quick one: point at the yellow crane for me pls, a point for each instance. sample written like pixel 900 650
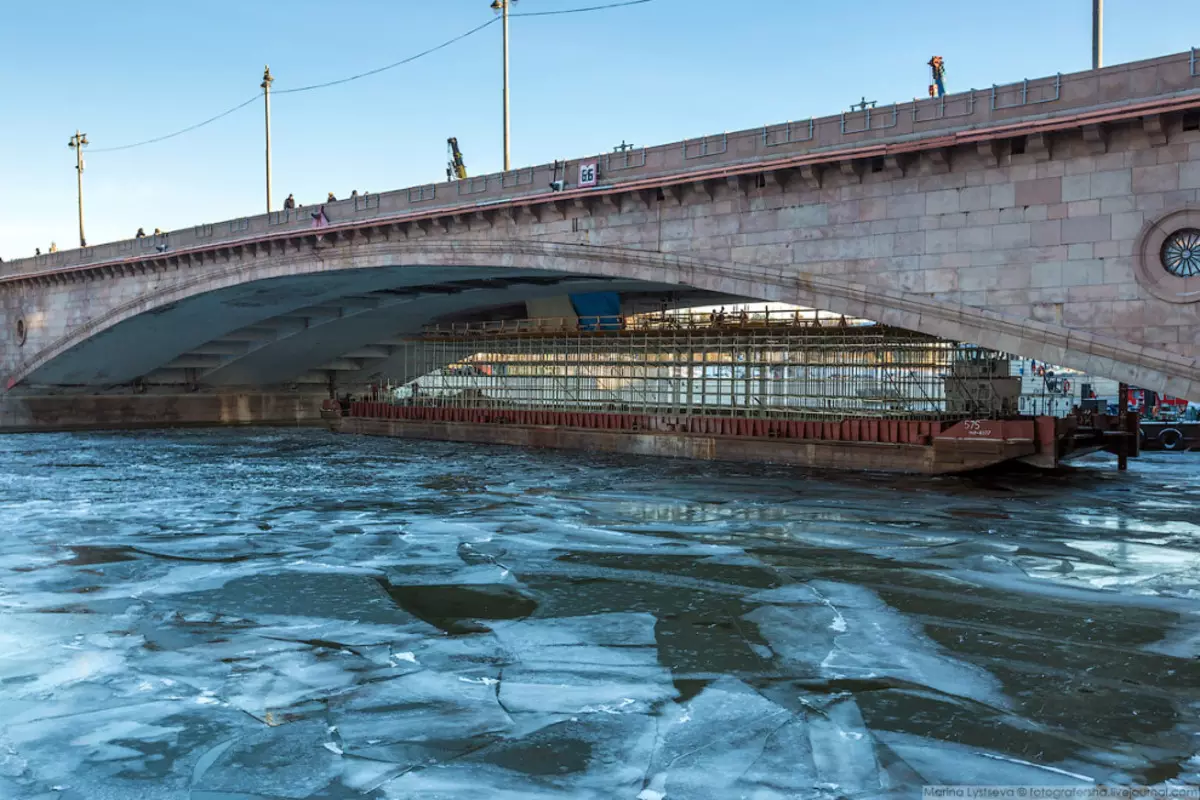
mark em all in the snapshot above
pixel 455 168
pixel 938 67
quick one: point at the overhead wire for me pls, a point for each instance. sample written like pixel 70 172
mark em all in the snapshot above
pixel 393 65
pixel 577 10
pixel 188 129
pixel 368 73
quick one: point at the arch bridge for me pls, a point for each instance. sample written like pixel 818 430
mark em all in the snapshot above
pixel 1054 218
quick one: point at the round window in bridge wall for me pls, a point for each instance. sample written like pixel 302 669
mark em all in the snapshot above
pixel 1166 255
pixel 1181 253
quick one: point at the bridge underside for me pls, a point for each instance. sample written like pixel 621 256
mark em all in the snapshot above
pixel 342 328
pixel 264 351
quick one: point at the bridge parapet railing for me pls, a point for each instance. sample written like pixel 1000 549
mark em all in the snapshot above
pixel 1026 99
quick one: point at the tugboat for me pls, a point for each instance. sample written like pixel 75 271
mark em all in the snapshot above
pixel 1166 425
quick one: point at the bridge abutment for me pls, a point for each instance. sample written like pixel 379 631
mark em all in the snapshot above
pixel 69 412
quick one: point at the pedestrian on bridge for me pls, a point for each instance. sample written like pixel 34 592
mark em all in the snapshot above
pixel 289 204
pixel 331 198
pixel 141 234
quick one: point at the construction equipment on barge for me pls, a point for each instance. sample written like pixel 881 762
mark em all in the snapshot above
pixel 777 386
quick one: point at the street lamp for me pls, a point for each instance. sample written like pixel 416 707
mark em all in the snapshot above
pixel 266 87
pixel 77 143
pixel 501 7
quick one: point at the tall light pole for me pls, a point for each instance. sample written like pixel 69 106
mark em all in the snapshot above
pixel 78 142
pixel 501 6
pixel 266 87
pixel 1097 34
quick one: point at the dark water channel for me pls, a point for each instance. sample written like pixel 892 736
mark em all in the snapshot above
pixel 223 615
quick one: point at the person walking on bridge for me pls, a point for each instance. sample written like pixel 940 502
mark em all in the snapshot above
pixel 141 234
pixel 331 198
pixel 290 203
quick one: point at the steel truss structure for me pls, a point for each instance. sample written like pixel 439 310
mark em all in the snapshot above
pixel 769 364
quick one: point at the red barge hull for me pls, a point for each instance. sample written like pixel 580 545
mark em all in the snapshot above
pixel 854 443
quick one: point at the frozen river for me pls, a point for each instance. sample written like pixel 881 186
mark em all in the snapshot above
pixel 228 615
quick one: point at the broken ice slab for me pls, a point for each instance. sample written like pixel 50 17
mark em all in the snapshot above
pixel 837 630
pixel 420 706
pixel 252 764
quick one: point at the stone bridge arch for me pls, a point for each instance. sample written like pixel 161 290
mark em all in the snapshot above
pixel 166 294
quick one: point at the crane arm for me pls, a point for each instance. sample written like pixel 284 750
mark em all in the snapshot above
pixel 456 169
pixel 938 67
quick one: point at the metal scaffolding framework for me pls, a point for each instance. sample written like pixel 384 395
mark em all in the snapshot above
pixel 769 364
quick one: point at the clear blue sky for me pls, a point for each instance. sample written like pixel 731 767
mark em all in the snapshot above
pixel 654 73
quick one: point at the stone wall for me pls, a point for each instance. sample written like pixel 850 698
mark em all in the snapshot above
pixel 1050 237
pixel 97 412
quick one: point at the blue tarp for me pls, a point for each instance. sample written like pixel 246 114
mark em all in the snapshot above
pixel 598 310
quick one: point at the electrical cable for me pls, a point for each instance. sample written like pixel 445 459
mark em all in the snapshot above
pixel 368 73
pixel 402 62
pixel 577 10
pixel 456 39
pixel 179 132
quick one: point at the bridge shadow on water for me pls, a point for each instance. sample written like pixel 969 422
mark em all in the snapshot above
pixel 286 613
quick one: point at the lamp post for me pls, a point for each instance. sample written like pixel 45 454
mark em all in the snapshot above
pixel 77 143
pixel 266 87
pixel 1097 34
pixel 501 7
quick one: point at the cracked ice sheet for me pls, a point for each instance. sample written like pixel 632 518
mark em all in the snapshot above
pixel 729 741
pixel 172 581
pixel 94 752
pixel 940 762
pixel 374 641
pixel 525 637
pixel 288 679
pixel 569 665
pixel 591 756
pixel 271 674
pixel 839 630
pixel 250 765
pixel 409 717
pixel 26 640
